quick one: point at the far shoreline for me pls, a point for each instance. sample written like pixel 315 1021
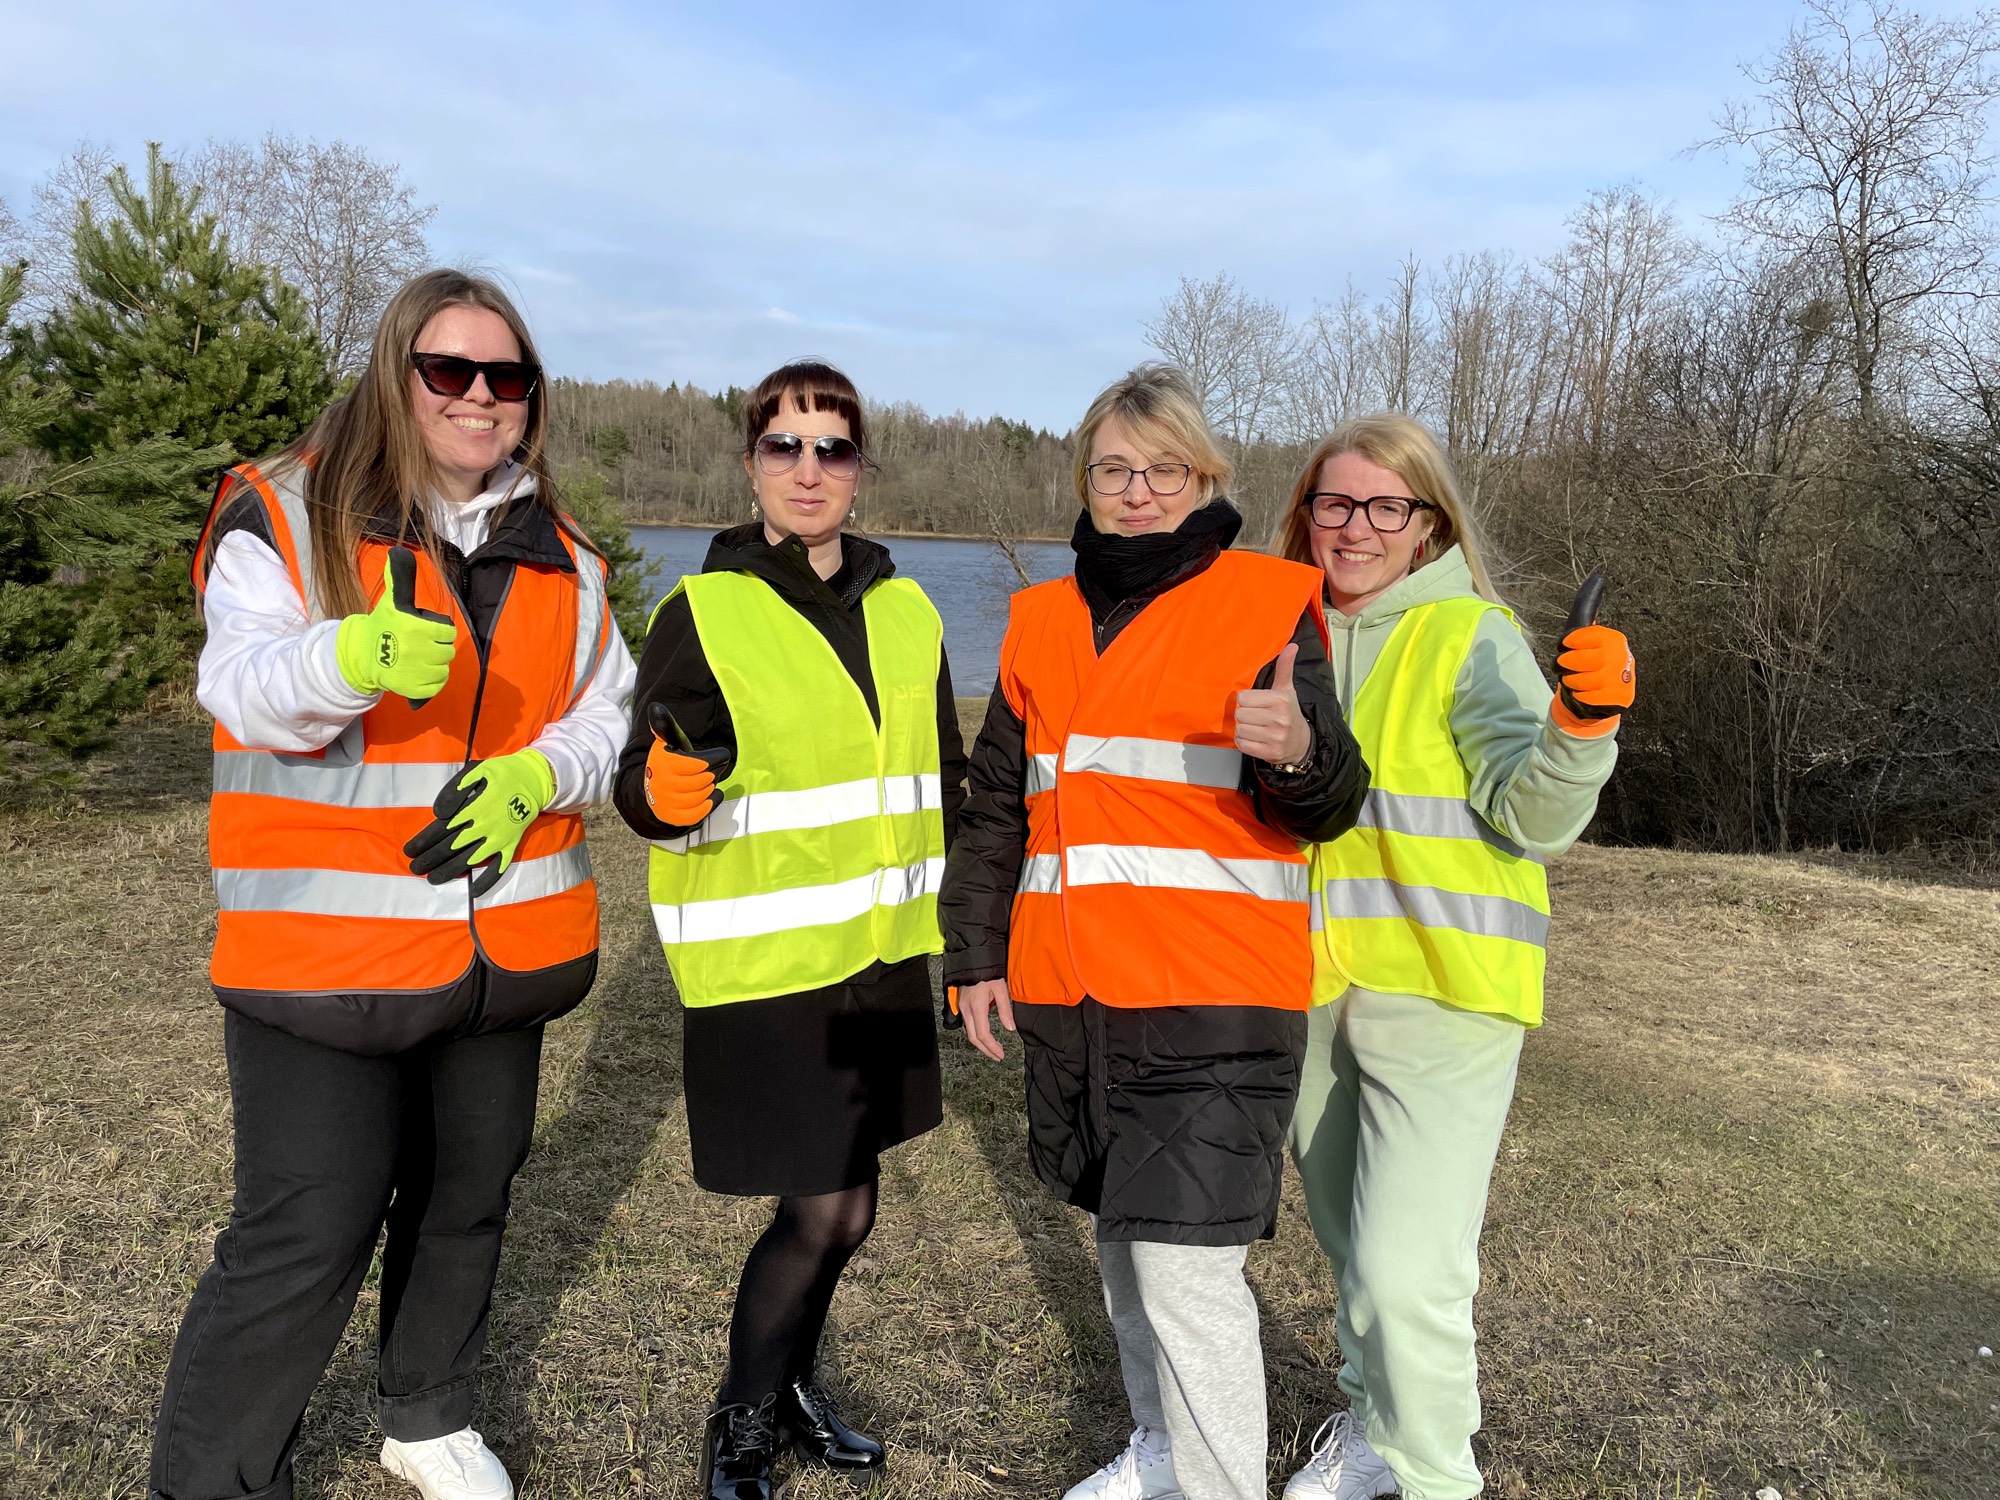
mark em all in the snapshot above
pixel 940 536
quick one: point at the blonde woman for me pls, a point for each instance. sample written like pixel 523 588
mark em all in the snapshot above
pixel 417 690
pixel 1128 891
pixel 1431 918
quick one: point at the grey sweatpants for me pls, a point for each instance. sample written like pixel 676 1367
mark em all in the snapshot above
pixel 1193 1363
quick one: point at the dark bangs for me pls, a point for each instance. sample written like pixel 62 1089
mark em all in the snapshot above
pixel 815 386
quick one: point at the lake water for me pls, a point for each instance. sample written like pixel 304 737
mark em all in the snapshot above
pixel 968 581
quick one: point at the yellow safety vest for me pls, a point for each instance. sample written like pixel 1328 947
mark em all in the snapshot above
pixel 1423 896
pixel 827 850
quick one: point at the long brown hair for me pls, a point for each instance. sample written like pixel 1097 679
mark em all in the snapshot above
pixel 364 459
pixel 1409 450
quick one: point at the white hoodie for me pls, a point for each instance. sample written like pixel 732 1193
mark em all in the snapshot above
pixel 273 680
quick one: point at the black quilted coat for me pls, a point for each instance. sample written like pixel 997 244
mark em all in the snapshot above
pixel 1168 1122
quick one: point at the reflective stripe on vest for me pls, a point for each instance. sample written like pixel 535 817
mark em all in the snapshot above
pixel 797 908
pixel 827 850
pixel 1423 896
pixel 815 807
pixel 1482 916
pixel 409 898
pixel 314 890
pixel 1184 870
pixel 1147 878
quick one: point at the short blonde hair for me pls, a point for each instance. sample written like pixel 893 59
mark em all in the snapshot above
pixel 1160 406
pixel 1411 451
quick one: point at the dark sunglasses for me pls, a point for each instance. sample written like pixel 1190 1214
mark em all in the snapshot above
pixel 780 452
pixel 451 376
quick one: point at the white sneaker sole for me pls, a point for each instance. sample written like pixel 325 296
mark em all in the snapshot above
pixel 406 1472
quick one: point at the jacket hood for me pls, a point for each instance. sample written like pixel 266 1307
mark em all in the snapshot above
pixel 1447 577
pixel 788 567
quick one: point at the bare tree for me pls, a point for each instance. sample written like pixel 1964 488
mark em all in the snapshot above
pixel 1239 352
pixel 1486 348
pixel 1335 376
pixel 1607 289
pixel 1401 339
pixel 78 182
pixel 342 227
pixel 1866 142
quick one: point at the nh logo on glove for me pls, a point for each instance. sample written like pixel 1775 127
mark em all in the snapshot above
pixel 385 650
pixel 518 810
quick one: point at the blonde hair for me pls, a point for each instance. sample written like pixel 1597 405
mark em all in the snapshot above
pixel 1411 451
pixel 365 459
pixel 1157 403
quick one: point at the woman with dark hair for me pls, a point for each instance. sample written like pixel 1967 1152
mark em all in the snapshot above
pixel 796 761
pixel 417 689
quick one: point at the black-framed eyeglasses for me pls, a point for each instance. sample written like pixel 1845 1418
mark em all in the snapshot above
pixel 780 452
pixel 452 375
pixel 1386 513
pixel 1161 479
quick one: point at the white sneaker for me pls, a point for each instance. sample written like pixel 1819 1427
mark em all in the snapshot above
pixel 457 1466
pixel 1342 1466
pixel 1144 1471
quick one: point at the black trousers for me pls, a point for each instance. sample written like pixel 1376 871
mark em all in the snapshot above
pixel 330 1146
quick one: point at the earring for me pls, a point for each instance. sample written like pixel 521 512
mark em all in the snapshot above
pixel 754 512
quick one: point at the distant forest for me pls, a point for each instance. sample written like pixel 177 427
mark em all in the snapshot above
pixel 673 453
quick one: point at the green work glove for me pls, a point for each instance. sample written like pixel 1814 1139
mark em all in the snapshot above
pixel 396 647
pixel 481 815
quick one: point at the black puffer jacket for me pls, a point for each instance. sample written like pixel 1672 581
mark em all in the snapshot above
pixel 1168 1122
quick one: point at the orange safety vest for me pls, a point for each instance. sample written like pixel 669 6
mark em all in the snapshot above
pixel 315 891
pixel 1148 878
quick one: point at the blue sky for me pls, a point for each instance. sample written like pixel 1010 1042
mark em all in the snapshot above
pixel 969 207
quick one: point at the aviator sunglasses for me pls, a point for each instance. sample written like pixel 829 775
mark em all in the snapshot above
pixel 780 452
pixel 452 375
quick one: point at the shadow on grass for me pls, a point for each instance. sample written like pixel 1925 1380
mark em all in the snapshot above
pixel 626 1084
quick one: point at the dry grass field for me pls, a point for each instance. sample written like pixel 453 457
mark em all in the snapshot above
pixel 1745 1230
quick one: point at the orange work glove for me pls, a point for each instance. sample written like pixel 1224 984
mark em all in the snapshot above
pixel 1597 680
pixel 680 787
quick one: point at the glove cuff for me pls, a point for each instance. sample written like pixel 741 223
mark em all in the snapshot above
pixel 544 773
pixel 1579 727
pixel 352 654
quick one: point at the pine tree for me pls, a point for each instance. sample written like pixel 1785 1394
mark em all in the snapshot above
pixel 168 337
pixel 117 415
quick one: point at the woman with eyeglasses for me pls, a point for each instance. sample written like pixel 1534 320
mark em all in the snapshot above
pixel 418 688
pixel 796 762
pixel 1430 923
pixel 1129 894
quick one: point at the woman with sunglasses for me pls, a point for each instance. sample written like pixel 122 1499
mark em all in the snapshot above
pixel 417 689
pixel 796 762
pixel 1431 918
pixel 1129 892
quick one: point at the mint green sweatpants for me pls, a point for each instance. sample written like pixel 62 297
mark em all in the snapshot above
pixel 1401 1104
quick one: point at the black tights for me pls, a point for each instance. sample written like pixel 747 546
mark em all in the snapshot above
pixel 787 1286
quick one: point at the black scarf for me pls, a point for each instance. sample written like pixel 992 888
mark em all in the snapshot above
pixel 1112 568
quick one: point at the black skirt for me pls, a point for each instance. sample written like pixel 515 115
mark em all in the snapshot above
pixel 800 1093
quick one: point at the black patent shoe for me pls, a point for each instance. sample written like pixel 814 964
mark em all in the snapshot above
pixel 806 1418
pixel 738 1449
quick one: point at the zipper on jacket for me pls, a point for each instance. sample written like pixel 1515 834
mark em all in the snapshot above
pixel 482 649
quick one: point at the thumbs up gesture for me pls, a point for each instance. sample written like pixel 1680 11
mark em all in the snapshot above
pixel 1270 725
pixel 397 647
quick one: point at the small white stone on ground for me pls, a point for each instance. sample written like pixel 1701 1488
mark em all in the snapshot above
pixel 1984 1352
pixel 1767 1493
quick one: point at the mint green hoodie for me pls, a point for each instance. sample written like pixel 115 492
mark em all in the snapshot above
pixel 1530 780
